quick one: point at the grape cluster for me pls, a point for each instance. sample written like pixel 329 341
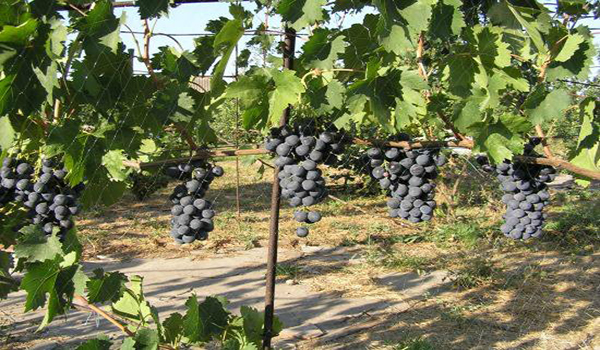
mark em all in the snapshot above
pixel 407 175
pixel 15 179
pixel 51 201
pixel 299 151
pixel 525 193
pixel 192 214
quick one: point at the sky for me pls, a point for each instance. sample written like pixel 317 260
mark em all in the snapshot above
pixel 192 18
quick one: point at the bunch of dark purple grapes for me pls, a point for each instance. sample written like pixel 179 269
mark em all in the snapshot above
pixel 407 176
pixel 15 179
pixel 51 201
pixel 299 151
pixel 526 193
pixel 192 214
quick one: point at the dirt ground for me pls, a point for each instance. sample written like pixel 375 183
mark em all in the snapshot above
pixel 539 294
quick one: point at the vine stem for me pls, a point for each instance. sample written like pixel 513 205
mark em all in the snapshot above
pixel 317 72
pixel 103 313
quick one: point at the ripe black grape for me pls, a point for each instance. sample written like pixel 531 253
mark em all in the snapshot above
pixel 406 176
pixel 192 214
pixel 526 193
pixel 298 153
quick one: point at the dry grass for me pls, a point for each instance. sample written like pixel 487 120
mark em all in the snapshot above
pixel 541 294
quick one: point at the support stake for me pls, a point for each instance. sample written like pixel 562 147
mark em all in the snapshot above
pixel 288 63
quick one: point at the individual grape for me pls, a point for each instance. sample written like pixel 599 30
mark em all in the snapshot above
pixel 302 231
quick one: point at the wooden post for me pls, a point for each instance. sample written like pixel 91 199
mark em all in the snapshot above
pixel 288 63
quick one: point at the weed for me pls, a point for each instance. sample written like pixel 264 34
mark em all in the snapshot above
pixel 475 272
pixel 287 270
pixel 467 233
pixel 416 343
pixel 397 261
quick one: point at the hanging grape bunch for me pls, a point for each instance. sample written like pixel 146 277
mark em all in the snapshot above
pixel 51 201
pixel 192 214
pixel 15 179
pixel 525 193
pixel 299 151
pixel 407 175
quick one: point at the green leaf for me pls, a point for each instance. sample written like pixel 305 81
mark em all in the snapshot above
pixel 132 305
pixel 446 19
pixel 103 287
pixel 34 246
pixel 173 328
pixel 570 46
pixel 460 73
pixel 224 46
pixel 288 88
pixel 7 283
pixel 587 153
pixel 204 321
pixel 492 50
pixel 100 343
pixel 7 133
pixel 128 344
pixel 146 339
pixel 100 190
pixel 301 13
pixel 152 8
pixel 113 161
pixel 19 35
pixel 500 139
pixel 48 281
pixel 402 22
pixel 578 64
pixel 322 50
pixel 542 106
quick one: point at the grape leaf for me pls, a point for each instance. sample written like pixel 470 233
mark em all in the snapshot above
pixel 173 327
pixel 301 13
pixel 19 35
pixel 579 64
pixel 224 46
pixel 100 190
pixel 146 339
pixel 7 283
pixel 587 153
pixel 103 287
pixel 100 343
pixel 152 8
pixel 288 88
pixel 132 304
pixel 542 106
pixel 492 50
pixel 446 19
pixel 570 46
pixel 48 281
pixel 460 73
pixel 7 133
pixel 502 138
pixel 113 161
pixel 34 246
pixel 322 50
pixel 202 322
pixel 402 22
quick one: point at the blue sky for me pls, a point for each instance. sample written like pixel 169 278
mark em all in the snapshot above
pixel 192 18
